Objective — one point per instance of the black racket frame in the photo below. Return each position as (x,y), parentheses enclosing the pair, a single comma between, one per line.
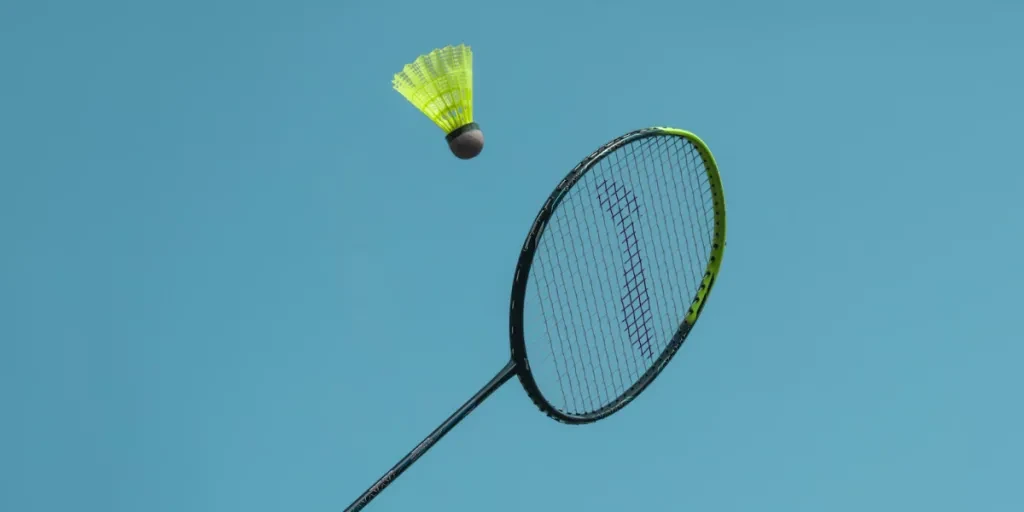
(519,364)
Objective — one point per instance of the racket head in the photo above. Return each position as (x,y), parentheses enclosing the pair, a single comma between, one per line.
(670,141)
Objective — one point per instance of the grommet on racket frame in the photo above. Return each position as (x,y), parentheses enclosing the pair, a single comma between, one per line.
(613,275)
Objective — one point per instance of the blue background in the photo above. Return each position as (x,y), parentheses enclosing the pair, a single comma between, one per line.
(239,272)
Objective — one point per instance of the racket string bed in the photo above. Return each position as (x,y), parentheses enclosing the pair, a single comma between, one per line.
(618,265)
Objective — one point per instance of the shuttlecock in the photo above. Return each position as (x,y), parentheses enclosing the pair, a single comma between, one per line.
(440,84)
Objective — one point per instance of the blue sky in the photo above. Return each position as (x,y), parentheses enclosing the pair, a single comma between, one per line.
(239,272)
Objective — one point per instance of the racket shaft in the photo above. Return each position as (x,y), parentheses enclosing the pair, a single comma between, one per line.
(502,377)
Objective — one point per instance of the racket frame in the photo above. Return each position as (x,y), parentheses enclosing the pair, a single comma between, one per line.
(519,364)
(526,256)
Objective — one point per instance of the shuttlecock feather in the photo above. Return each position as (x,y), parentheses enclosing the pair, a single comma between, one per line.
(440,84)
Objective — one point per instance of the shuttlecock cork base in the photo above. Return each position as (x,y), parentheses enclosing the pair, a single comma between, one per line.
(440,85)
(466,141)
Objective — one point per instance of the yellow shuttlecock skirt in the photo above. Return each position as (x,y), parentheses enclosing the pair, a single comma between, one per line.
(440,84)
